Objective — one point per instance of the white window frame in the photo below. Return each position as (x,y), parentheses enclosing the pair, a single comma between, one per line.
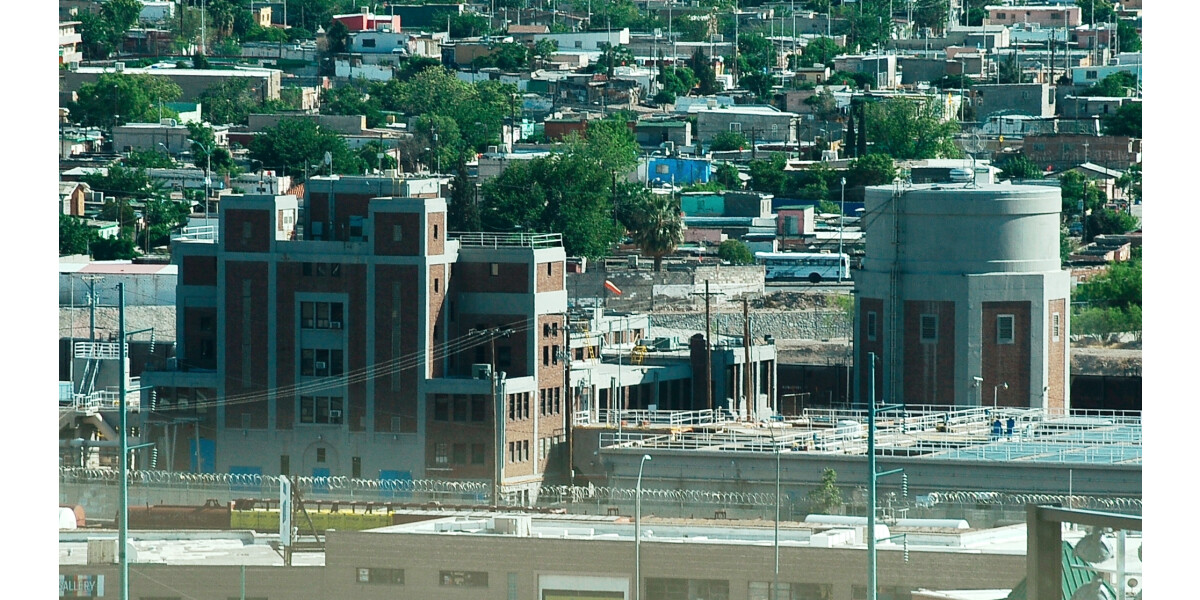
(921,322)
(1012,329)
(1056,326)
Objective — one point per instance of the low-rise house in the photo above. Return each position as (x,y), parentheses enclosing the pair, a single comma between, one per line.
(1045,15)
(264,83)
(674,170)
(882,66)
(1029,99)
(759,123)
(653,134)
(169,132)
(69,41)
(368,21)
(1086,107)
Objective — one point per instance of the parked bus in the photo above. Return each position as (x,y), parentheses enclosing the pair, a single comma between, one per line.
(783,266)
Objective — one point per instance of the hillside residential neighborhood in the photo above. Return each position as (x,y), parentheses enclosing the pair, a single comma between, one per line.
(582,299)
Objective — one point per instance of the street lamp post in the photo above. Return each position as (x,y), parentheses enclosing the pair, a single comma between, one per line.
(637,533)
(841,228)
(996,395)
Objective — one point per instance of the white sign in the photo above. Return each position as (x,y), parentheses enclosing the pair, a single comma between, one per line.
(285,511)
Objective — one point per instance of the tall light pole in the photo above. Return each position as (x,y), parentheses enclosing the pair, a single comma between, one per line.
(996,395)
(979,386)
(637,533)
(841,229)
(207,170)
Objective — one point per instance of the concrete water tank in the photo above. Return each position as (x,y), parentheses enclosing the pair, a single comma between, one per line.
(963,229)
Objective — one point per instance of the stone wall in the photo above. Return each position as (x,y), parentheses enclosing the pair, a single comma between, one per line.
(791,325)
(643,289)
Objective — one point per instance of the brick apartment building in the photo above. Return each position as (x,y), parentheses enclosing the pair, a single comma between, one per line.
(363,349)
(1063,151)
(960,284)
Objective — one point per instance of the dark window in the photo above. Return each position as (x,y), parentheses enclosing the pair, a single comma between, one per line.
(320,455)
(929,328)
(460,454)
(1004,329)
(460,409)
(872,325)
(368,42)
(463,578)
(441,408)
(478,454)
(285,464)
(356,467)
(380,576)
(478,408)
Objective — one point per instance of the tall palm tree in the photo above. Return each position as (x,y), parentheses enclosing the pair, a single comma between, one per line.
(657,225)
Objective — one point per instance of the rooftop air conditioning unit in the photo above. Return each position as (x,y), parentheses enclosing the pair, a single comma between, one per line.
(481,371)
(119,67)
(168,122)
(335,414)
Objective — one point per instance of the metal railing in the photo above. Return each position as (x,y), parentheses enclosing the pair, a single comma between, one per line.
(202,232)
(109,398)
(481,239)
(672,418)
(99,350)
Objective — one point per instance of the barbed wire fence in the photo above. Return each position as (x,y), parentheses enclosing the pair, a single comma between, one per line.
(97,491)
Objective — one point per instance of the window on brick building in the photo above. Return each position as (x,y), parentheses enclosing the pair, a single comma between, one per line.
(1055,326)
(872,325)
(495,269)
(440,451)
(1005,329)
(478,454)
(929,328)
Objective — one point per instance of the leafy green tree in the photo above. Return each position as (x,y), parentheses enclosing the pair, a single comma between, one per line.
(123,182)
(728,140)
(754,54)
(826,497)
(727,175)
(953,82)
(199,61)
(465,25)
(656,225)
(297,143)
(735,252)
(610,143)
(1105,221)
(369,154)
(906,129)
(1079,194)
(408,67)
(612,57)
(203,142)
(127,98)
(820,51)
(854,79)
(768,176)
(1020,166)
(463,209)
(1115,85)
(351,100)
(337,37)
(74,236)
(115,248)
(1105,12)
(102,33)
(679,81)
(506,56)
(162,217)
(930,13)
(479,110)
(664,97)
(706,77)
(1010,70)
(1131,183)
(759,84)
(1128,39)
(823,105)
(148,159)
(872,169)
(1127,120)
(976,15)
(1113,300)
(229,102)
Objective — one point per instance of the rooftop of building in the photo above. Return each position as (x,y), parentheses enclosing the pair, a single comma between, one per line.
(924,432)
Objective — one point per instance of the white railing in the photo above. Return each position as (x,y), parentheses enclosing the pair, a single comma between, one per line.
(99,350)
(202,232)
(109,399)
(672,418)
(507,240)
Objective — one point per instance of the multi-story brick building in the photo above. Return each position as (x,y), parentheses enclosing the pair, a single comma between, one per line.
(365,349)
(962,291)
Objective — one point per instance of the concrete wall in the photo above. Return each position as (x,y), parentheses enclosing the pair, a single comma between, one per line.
(1029,99)
(791,325)
(644,289)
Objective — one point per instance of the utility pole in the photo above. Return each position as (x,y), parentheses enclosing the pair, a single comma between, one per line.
(123,461)
(91,281)
(708,394)
(748,379)
(498,407)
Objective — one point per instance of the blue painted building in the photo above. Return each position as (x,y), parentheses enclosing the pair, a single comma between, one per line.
(677,170)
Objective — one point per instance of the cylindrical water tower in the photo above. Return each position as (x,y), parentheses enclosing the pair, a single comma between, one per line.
(961,292)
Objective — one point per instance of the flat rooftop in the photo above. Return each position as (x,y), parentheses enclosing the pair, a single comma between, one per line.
(944,433)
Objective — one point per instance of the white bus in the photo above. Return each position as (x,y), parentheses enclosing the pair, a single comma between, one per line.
(782,266)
